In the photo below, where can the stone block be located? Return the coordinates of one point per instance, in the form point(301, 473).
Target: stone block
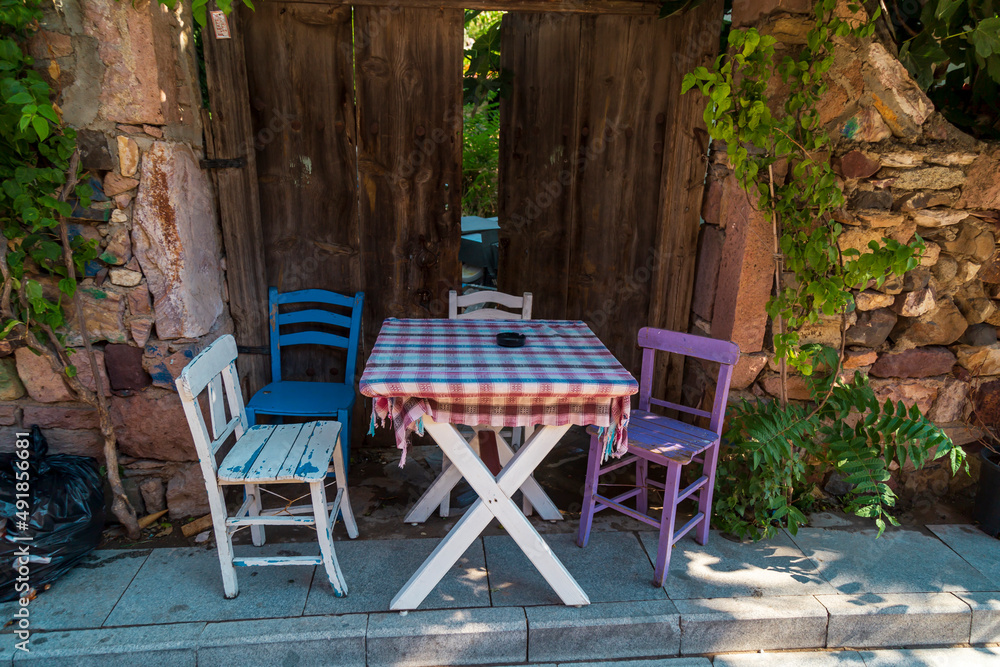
point(866, 126)
point(872, 328)
point(41, 382)
point(797, 388)
point(896, 619)
point(124, 365)
point(452, 637)
point(856, 164)
point(613, 630)
point(979, 335)
point(881, 219)
point(151, 425)
point(942, 325)
point(125, 278)
point(872, 300)
point(707, 278)
point(921, 393)
point(982, 190)
point(747, 369)
point(104, 312)
point(871, 200)
point(751, 624)
point(932, 251)
point(929, 178)
point(311, 640)
point(128, 156)
point(901, 103)
point(792, 659)
point(950, 403)
point(901, 159)
point(84, 372)
point(186, 495)
point(916, 201)
point(116, 184)
point(61, 416)
point(919, 362)
point(933, 657)
point(749, 14)
point(746, 272)
point(938, 217)
point(94, 153)
point(8, 414)
point(11, 387)
point(914, 304)
point(119, 244)
point(175, 239)
point(141, 328)
point(985, 616)
point(983, 360)
point(859, 358)
point(116, 647)
point(990, 271)
point(972, 242)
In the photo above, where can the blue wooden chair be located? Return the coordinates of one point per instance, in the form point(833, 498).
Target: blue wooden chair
point(285, 398)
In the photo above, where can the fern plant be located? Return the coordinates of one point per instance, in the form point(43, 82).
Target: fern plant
point(767, 476)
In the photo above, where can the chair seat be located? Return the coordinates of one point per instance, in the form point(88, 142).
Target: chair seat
point(283, 453)
point(302, 398)
point(653, 436)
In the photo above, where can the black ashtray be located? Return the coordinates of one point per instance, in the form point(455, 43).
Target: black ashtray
point(510, 339)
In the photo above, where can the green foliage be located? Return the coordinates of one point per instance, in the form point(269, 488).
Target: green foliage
point(35, 150)
point(759, 140)
point(766, 475)
point(952, 49)
point(480, 160)
point(484, 79)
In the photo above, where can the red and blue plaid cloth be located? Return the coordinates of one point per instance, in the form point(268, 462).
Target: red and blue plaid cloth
point(454, 371)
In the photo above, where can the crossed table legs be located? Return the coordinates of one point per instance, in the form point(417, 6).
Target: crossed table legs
point(494, 501)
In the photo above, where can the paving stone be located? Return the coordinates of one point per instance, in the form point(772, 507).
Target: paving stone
point(447, 637)
point(751, 624)
point(514, 581)
point(933, 657)
point(792, 659)
point(659, 662)
point(977, 548)
point(724, 568)
point(313, 640)
point(609, 630)
point(71, 602)
point(901, 561)
point(985, 616)
point(896, 619)
point(166, 645)
point(371, 585)
point(178, 585)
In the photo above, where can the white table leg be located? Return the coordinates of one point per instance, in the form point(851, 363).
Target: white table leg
point(440, 490)
point(531, 489)
point(494, 501)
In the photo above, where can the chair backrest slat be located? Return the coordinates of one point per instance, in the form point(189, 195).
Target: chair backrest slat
point(215, 370)
point(456, 301)
point(351, 322)
point(725, 353)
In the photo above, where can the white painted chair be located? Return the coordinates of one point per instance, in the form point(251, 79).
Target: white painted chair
point(467, 304)
point(271, 454)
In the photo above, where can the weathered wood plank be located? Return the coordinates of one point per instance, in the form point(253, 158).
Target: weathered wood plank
point(231, 136)
point(538, 147)
point(683, 179)
point(301, 87)
point(622, 119)
point(626, 7)
point(409, 98)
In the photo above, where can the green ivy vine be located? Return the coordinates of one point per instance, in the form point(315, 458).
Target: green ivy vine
point(781, 158)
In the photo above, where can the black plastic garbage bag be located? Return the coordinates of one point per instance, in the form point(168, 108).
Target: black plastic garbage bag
point(60, 523)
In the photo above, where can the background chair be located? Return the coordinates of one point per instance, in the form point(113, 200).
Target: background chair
point(311, 399)
point(475, 306)
point(656, 439)
point(261, 455)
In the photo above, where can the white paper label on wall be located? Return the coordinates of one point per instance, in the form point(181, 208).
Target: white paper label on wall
point(220, 24)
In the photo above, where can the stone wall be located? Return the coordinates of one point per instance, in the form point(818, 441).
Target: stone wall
point(126, 78)
point(929, 338)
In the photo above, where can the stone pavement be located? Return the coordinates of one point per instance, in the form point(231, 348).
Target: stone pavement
point(825, 588)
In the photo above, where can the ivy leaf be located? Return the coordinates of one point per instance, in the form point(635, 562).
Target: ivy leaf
point(21, 98)
point(986, 37)
point(41, 127)
point(70, 371)
point(67, 286)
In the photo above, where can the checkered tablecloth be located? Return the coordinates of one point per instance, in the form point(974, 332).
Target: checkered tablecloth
point(454, 371)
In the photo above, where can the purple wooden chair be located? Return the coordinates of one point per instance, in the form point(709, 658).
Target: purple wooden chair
point(656, 439)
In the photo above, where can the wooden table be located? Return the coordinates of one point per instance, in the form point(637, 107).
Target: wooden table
point(434, 374)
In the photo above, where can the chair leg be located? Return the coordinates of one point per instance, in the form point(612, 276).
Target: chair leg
point(223, 539)
point(641, 472)
point(346, 511)
point(705, 494)
point(324, 535)
point(665, 544)
point(253, 495)
point(344, 417)
point(589, 489)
